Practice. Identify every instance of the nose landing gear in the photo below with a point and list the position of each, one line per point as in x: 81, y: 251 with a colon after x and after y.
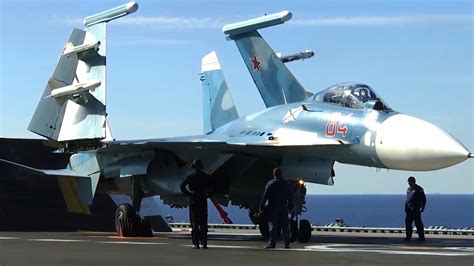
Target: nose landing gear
x: 299, y: 230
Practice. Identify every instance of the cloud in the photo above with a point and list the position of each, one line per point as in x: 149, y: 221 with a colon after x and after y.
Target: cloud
x: 153, y: 42
x: 385, y: 20
x: 449, y: 119
x: 450, y: 79
x: 173, y: 22
x: 160, y: 22
x: 67, y: 21
x: 163, y: 22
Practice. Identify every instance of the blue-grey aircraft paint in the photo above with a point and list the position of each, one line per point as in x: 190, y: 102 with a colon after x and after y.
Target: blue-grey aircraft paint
x: 302, y: 133
x: 217, y: 103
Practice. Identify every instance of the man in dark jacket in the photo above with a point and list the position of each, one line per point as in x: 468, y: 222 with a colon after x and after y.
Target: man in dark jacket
x: 414, y: 206
x: 197, y: 187
x: 279, y: 195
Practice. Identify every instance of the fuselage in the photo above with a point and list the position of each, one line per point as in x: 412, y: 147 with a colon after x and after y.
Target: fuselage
x: 304, y: 138
x: 366, y: 135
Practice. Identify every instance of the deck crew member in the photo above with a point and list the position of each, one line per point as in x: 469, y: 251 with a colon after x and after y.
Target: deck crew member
x: 197, y: 186
x: 414, y: 206
x: 279, y: 195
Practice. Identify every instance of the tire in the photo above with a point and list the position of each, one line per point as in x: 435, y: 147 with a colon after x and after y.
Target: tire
x: 304, y: 233
x: 124, y: 219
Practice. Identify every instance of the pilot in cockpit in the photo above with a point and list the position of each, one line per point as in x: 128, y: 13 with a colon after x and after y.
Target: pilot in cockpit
x: 364, y: 95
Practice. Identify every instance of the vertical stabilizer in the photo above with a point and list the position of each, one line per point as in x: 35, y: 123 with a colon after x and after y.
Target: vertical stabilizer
x: 73, y: 105
x: 218, y: 104
x: 274, y: 80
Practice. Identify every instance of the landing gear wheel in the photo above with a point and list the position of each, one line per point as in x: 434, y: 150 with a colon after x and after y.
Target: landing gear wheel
x: 123, y: 217
x: 304, y: 234
x: 128, y: 223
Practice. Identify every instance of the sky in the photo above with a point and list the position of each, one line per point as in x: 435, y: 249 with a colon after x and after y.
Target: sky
x: 416, y: 54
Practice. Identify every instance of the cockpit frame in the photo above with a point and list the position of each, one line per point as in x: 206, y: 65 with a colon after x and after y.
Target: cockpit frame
x: 352, y: 95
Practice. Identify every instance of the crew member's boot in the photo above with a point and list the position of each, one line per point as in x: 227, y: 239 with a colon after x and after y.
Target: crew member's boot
x: 204, y: 241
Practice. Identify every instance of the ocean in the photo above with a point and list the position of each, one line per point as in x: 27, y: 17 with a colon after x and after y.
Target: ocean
x: 451, y: 211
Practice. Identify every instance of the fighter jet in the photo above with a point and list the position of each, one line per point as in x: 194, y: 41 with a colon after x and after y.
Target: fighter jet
x: 301, y: 132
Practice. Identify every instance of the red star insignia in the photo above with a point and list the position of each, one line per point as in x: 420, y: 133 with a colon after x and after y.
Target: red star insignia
x: 256, y: 63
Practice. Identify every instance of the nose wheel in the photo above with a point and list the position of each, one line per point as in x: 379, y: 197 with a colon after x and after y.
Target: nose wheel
x: 300, y: 231
x: 304, y: 231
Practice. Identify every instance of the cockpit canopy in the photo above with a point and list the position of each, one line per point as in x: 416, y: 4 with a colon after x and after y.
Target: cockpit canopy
x: 351, y: 95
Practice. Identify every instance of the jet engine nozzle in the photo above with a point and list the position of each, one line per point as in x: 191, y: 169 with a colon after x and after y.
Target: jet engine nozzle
x: 407, y: 143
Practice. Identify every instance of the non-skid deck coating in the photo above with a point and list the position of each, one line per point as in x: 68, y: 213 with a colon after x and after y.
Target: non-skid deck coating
x: 228, y: 247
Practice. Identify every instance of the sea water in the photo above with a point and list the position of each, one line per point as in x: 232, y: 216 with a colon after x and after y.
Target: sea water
x: 451, y: 211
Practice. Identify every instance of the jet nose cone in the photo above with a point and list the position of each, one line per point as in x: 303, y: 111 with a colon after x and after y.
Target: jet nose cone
x: 408, y: 143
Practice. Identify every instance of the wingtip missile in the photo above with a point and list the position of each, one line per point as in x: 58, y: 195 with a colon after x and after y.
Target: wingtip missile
x: 298, y: 56
x: 257, y: 23
x: 75, y: 88
x: 111, y: 14
x: 70, y: 48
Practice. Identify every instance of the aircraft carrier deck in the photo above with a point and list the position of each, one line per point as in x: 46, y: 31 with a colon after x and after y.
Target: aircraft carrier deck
x: 236, y: 245
x: 31, y: 206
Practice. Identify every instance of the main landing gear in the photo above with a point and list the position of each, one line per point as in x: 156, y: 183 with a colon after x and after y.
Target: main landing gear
x: 128, y: 222
x: 260, y: 219
x: 299, y: 229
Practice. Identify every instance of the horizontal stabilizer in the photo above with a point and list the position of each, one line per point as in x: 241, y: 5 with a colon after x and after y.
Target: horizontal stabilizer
x: 256, y: 23
x: 67, y: 182
x: 31, y: 170
x: 73, y: 203
x: 85, y: 185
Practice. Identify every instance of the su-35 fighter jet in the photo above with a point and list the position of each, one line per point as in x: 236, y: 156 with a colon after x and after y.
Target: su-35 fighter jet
x: 300, y: 132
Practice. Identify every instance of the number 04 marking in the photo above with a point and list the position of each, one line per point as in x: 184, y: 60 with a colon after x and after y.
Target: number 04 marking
x: 334, y: 126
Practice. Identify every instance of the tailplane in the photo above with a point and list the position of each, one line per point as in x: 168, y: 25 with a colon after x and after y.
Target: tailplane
x: 274, y: 80
x: 78, y: 182
x: 73, y: 105
x: 218, y: 104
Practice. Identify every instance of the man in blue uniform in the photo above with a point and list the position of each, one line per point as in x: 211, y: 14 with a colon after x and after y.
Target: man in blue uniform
x: 414, y: 206
x: 197, y: 187
x: 279, y: 195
